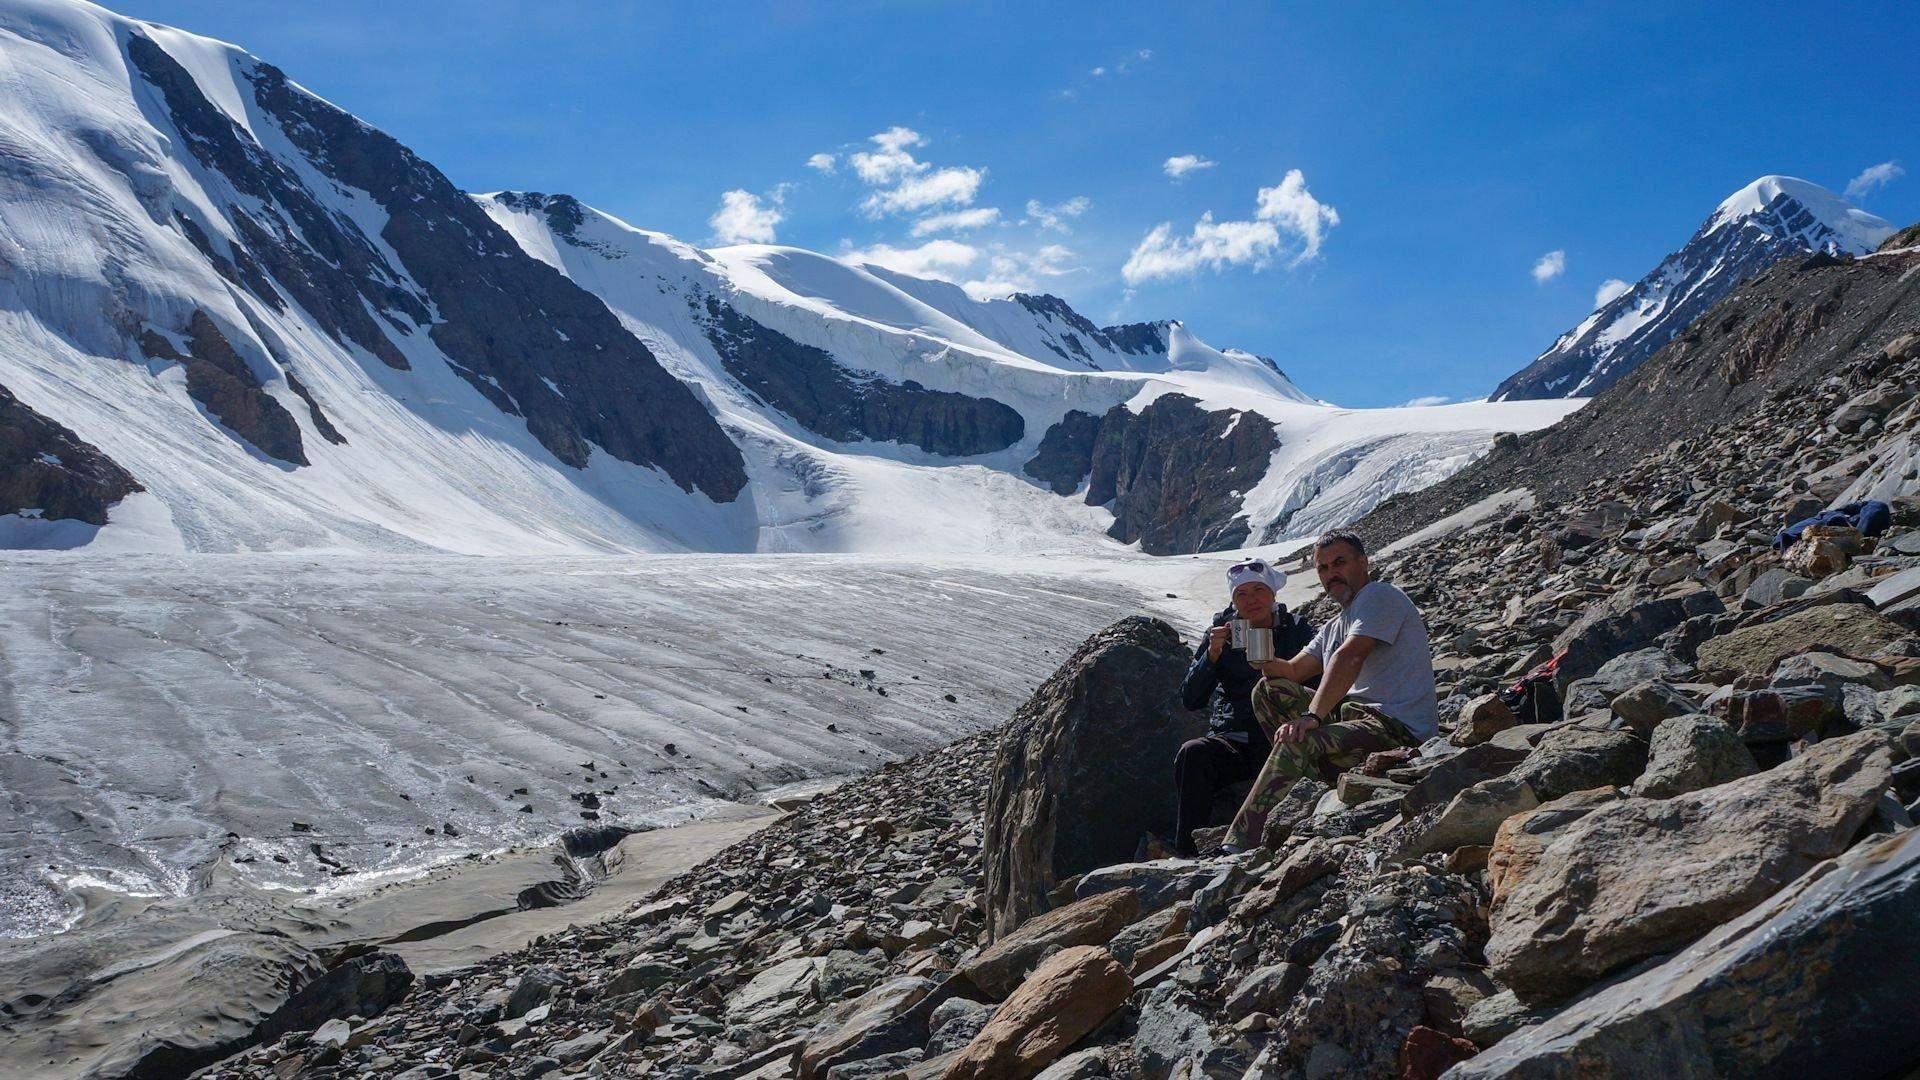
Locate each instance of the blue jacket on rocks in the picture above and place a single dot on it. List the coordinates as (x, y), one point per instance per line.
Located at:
(1228, 682)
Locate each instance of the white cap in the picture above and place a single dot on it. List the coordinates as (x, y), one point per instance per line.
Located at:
(1255, 570)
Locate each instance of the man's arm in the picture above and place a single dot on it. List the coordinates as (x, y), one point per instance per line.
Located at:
(1341, 674)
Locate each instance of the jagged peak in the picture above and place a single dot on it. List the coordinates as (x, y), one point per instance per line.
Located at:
(1854, 229)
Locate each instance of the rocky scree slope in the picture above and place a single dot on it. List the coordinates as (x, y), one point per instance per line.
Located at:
(1778, 335)
(1774, 217)
(1499, 901)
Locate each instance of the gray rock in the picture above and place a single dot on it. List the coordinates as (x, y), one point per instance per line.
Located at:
(954, 1024)
(640, 978)
(1497, 1016)
(1083, 768)
(874, 1068)
(1576, 758)
(999, 968)
(775, 992)
(1615, 676)
(536, 987)
(1642, 707)
(1170, 1030)
(1083, 1065)
(1773, 586)
(869, 1027)
(1691, 752)
(1266, 990)
(1816, 981)
(1159, 883)
(1296, 806)
(1459, 772)
(1827, 669)
(1604, 894)
(1621, 625)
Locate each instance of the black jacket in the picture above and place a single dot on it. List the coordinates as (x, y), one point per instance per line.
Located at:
(1228, 683)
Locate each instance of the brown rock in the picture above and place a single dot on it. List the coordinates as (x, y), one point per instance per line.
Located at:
(1066, 997)
(1606, 893)
(1427, 1053)
(1522, 837)
(998, 969)
(1480, 720)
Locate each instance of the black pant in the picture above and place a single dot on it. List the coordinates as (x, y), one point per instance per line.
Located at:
(1201, 768)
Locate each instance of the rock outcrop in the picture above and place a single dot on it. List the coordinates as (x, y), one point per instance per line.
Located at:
(1085, 767)
(49, 472)
(807, 384)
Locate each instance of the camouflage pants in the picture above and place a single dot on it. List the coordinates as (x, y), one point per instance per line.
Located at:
(1340, 743)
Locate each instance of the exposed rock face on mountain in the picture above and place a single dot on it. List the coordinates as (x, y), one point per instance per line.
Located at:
(220, 379)
(1772, 218)
(1174, 473)
(533, 343)
(1076, 329)
(45, 469)
(1778, 336)
(806, 384)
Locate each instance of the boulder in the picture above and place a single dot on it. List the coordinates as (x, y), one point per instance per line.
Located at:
(364, 986)
(1827, 669)
(1605, 893)
(1473, 817)
(1480, 720)
(1778, 714)
(1158, 884)
(954, 1023)
(1821, 551)
(1623, 624)
(1066, 997)
(1000, 968)
(1296, 806)
(1170, 1030)
(1643, 707)
(1773, 586)
(1459, 772)
(1816, 981)
(1146, 931)
(869, 1028)
(1849, 629)
(1266, 990)
(1691, 752)
(1085, 767)
(1577, 758)
(775, 992)
(1521, 838)
(1597, 691)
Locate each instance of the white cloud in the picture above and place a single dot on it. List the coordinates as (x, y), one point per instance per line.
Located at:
(1874, 177)
(1057, 216)
(1426, 401)
(1549, 266)
(1099, 71)
(1286, 212)
(955, 185)
(892, 160)
(956, 220)
(1180, 165)
(906, 184)
(823, 161)
(744, 218)
(934, 259)
(1296, 211)
(1609, 291)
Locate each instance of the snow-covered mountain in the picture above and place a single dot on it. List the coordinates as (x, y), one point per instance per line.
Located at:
(261, 324)
(1773, 217)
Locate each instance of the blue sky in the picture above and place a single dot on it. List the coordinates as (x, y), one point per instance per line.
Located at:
(1455, 149)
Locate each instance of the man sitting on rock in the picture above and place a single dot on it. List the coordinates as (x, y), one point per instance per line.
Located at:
(1376, 687)
(1236, 746)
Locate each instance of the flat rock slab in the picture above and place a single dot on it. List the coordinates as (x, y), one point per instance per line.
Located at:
(1816, 981)
(1609, 890)
(1848, 629)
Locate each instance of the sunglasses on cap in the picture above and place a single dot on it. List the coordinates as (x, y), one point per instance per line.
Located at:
(1257, 566)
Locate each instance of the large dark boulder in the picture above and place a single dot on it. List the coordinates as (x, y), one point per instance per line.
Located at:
(1817, 981)
(1085, 766)
(365, 985)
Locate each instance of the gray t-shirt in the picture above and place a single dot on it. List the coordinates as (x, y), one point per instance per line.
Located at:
(1398, 674)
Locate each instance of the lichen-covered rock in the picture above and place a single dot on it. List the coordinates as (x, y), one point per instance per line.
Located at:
(1849, 629)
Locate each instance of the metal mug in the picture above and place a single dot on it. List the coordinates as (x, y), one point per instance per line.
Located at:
(1256, 641)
